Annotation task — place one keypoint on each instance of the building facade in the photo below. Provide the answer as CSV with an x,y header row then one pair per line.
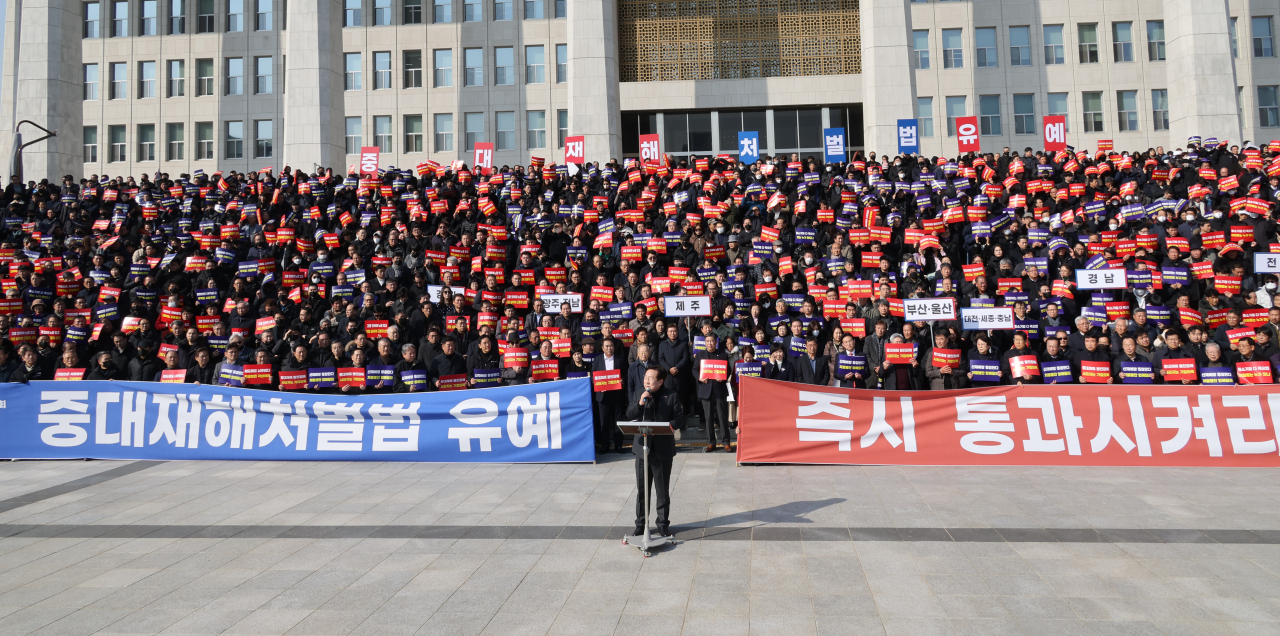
x,y
140,86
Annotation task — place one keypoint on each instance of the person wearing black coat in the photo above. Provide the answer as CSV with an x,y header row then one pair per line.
x,y
482,359
202,371
31,368
409,361
811,368
104,369
655,404
713,396
673,356
145,367
449,362
982,350
609,404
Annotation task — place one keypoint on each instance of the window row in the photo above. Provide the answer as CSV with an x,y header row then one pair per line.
x,y
358,13
442,67
169,17
148,78
145,142
986,44
1025,118
473,131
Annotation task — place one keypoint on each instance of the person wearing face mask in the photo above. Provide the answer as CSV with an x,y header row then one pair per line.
x,y
1266,293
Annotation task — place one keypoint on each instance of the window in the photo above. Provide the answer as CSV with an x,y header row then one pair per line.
x,y
1235,44
1122,41
177,17
1088,43
92,24
175,138
534,65
537,120
262,21
90,82
351,63
412,133
1053,48
442,11
955,108
1262,45
204,77
262,75
381,70
1268,108
1092,104
119,80
562,63
502,10
920,49
986,48
381,12
989,114
1127,106
952,51
177,78
924,116
91,144
442,67
413,11
800,128
353,136
1240,106
235,76
533,10
1160,109
147,18
382,133
351,13
235,140
235,16
204,140
506,137
204,17
119,19
504,66
146,142
413,69
562,8
473,61
1024,114
1019,46
117,151
262,139
146,80
474,130
1057,105
444,132
562,127
472,11
1155,40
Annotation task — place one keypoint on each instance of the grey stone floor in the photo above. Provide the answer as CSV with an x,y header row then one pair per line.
x,y
387,549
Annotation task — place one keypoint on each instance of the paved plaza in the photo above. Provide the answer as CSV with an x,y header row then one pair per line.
x,y
387,549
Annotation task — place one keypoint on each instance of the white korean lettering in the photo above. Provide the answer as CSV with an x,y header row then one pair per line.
x,y
1036,442
100,420
298,419
880,426
188,420
832,430
64,433
1183,422
484,434
1236,426
339,427
984,418
395,439
541,420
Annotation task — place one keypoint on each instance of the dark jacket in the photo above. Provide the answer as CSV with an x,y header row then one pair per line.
x,y
817,373
711,389
664,406
620,364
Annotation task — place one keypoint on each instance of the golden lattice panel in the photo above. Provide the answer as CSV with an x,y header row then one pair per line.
x,y
733,39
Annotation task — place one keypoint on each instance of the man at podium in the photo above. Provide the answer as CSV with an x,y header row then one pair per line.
x,y
655,404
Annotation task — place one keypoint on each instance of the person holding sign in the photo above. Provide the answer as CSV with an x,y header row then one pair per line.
x,y
484,357
1091,353
901,371
449,362
942,365
984,364
410,363
608,404
202,372
1181,367
655,404
712,366
1026,369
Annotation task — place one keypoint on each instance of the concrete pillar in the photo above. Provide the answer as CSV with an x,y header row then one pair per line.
x,y
888,82
594,105
1201,71
49,87
314,113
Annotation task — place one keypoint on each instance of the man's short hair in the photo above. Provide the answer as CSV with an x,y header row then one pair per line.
x,y
662,373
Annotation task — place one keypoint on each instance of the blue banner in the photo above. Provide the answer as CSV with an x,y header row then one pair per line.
x,y
544,422
908,136
748,146
833,144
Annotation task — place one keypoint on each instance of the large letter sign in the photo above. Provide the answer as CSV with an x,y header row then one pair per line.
x,y
833,144
575,149
1055,132
908,136
543,422
369,160
649,149
1028,425
748,146
483,155
967,133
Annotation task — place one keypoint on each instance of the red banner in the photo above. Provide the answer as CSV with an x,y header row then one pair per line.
x,y
1035,425
967,134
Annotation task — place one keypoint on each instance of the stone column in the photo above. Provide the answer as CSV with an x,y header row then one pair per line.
x,y
49,87
1201,71
888,82
594,106
314,113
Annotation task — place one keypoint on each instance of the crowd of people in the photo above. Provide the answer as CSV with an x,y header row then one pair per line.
x,y
448,276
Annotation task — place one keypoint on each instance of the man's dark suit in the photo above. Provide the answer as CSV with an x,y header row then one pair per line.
x,y
608,404
806,372
713,396
662,406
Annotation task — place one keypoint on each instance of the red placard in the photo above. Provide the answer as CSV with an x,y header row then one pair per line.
x,y
1253,372
71,374
856,327
713,370
545,369
376,328
1023,366
967,134
264,324
1055,132
606,380
899,353
257,374
1095,372
946,358
1234,335
293,380
455,382
1178,370
347,376
176,376
516,357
